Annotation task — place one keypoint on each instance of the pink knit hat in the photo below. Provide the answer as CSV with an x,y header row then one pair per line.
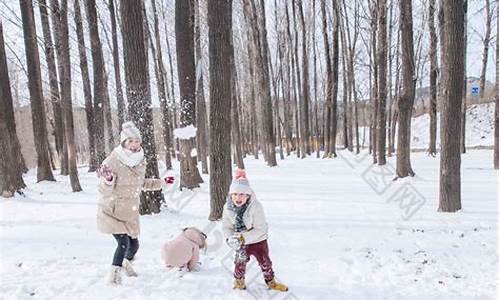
x,y
240,184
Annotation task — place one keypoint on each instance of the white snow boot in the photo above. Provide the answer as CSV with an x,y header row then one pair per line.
x,y
129,270
115,276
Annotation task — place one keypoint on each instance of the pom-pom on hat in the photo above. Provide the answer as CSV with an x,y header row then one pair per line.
x,y
129,131
240,184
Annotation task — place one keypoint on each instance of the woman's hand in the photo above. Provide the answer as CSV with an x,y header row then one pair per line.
x,y
106,172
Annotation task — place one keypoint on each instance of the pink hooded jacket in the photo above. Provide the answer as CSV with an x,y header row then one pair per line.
x,y
184,249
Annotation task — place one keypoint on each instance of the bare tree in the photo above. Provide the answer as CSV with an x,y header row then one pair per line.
x,y
87,92
35,88
390,101
374,89
297,85
382,79
60,18
11,159
304,113
161,84
329,79
486,46
405,101
432,79
53,82
116,64
219,33
184,37
495,148
201,111
98,77
449,168
332,123
259,37
253,90
171,103
139,94
464,91
235,122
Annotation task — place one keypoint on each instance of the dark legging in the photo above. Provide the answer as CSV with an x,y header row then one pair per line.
x,y
127,247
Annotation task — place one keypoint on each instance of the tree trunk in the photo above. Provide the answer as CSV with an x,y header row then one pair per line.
x,y
235,122
60,20
405,101
375,108
161,85
53,83
11,160
98,77
335,77
329,80
201,111
253,106
304,115
139,95
116,64
292,95
382,78
432,79
495,148
317,133
464,91
449,169
259,34
171,101
8,107
63,155
297,102
285,92
35,88
87,92
389,110
486,46
235,126
184,37
219,33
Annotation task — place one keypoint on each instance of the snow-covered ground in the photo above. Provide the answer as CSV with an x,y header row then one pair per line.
x,y
339,229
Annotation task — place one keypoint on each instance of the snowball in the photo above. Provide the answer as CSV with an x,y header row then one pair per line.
x,y
185,133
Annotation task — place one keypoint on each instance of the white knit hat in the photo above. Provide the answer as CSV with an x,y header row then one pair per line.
x,y
240,184
129,131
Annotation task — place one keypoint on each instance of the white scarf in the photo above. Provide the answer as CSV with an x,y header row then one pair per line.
x,y
128,157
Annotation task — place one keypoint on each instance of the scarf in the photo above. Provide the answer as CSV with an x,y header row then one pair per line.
x,y
128,157
239,225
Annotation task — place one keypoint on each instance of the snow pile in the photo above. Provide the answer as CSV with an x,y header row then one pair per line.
x,y
479,127
185,133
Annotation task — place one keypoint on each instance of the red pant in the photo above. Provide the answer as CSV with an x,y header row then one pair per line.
x,y
261,252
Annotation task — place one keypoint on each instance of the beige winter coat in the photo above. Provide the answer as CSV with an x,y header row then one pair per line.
x,y
254,219
184,249
118,204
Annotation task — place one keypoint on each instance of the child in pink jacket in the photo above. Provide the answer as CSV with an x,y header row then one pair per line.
x,y
183,252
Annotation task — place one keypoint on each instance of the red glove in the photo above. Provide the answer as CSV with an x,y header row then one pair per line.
x,y
169,179
106,172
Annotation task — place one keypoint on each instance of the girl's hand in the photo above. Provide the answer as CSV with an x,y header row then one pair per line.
x,y
106,172
169,179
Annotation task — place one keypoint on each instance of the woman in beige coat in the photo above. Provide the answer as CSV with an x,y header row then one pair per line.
x,y
122,178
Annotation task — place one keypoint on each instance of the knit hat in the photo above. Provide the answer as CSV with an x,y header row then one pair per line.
x,y
129,131
240,184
